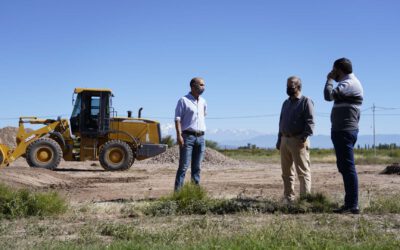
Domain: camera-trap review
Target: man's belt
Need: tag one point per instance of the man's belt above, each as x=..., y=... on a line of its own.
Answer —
x=195, y=133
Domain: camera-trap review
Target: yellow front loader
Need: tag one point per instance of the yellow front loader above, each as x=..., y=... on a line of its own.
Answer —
x=93, y=132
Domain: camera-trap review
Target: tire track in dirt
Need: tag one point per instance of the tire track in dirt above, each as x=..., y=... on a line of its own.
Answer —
x=36, y=178
x=83, y=182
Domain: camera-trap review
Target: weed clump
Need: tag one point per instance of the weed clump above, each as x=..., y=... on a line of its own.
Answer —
x=119, y=231
x=24, y=203
x=384, y=204
x=193, y=199
x=190, y=199
x=315, y=203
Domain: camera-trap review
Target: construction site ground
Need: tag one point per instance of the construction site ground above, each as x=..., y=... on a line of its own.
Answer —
x=83, y=182
x=103, y=203
x=222, y=177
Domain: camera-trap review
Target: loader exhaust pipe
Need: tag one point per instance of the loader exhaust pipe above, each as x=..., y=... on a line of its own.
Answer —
x=129, y=114
x=140, y=112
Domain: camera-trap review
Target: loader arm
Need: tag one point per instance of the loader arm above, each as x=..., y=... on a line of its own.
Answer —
x=25, y=139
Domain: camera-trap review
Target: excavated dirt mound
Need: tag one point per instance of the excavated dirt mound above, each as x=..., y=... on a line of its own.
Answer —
x=8, y=135
x=211, y=157
x=392, y=169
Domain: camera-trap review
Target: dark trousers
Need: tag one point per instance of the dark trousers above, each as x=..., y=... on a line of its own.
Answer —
x=344, y=141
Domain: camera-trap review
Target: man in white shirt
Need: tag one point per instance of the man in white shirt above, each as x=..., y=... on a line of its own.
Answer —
x=190, y=127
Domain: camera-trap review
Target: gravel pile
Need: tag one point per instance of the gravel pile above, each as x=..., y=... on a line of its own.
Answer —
x=212, y=157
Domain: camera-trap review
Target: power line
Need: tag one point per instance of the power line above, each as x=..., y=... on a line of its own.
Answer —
x=242, y=117
x=363, y=110
x=223, y=117
x=385, y=108
x=318, y=114
x=38, y=116
x=381, y=114
x=322, y=115
x=378, y=108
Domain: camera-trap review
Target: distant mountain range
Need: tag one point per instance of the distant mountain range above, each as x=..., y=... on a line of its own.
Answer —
x=232, y=138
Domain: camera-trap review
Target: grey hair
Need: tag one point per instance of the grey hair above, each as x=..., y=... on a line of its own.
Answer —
x=295, y=79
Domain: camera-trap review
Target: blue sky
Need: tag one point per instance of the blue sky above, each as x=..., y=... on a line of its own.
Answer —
x=147, y=51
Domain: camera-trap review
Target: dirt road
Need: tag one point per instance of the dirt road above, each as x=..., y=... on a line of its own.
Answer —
x=82, y=182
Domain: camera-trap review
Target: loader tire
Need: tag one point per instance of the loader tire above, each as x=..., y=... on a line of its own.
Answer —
x=116, y=155
x=44, y=153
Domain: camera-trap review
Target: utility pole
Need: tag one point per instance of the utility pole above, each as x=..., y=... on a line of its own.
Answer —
x=373, y=126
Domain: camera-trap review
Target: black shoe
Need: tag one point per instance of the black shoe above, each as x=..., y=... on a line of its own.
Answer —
x=346, y=210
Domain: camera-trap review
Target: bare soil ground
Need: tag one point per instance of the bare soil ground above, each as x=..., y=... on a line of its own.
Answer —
x=221, y=176
x=83, y=182
x=97, y=198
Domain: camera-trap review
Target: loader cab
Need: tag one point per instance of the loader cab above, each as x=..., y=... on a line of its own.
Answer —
x=91, y=113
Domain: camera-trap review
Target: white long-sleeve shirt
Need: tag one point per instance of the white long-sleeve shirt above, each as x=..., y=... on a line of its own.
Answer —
x=191, y=113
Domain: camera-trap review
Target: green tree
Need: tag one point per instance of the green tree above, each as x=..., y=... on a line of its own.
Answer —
x=212, y=144
x=168, y=140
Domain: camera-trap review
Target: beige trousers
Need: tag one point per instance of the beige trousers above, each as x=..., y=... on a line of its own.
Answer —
x=292, y=152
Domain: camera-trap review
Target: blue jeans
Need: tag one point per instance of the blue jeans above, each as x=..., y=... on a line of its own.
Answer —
x=344, y=141
x=192, y=153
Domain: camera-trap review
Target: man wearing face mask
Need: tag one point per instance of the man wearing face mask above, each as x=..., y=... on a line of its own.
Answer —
x=345, y=115
x=296, y=125
x=190, y=126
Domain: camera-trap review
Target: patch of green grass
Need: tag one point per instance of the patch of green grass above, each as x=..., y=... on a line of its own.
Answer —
x=311, y=203
x=190, y=199
x=281, y=233
x=88, y=235
x=189, y=192
x=256, y=155
x=25, y=203
x=293, y=235
x=193, y=199
x=120, y=231
x=384, y=204
x=362, y=156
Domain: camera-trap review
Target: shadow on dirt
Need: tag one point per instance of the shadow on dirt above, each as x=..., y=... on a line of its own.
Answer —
x=78, y=170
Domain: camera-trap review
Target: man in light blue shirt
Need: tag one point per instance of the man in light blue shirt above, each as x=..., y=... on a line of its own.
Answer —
x=190, y=127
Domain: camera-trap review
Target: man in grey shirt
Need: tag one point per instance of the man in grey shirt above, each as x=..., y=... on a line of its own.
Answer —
x=347, y=97
x=296, y=125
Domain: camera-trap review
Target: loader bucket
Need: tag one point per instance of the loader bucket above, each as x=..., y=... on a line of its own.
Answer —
x=3, y=154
